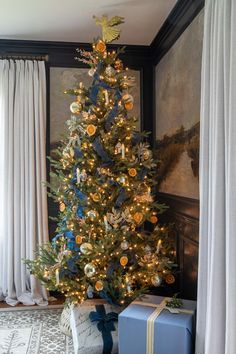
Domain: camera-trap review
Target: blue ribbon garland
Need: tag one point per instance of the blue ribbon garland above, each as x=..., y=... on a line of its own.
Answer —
x=136, y=138
x=142, y=173
x=111, y=116
x=121, y=198
x=105, y=326
x=98, y=148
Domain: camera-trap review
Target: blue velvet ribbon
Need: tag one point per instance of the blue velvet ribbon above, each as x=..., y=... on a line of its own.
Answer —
x=111, y=116
x=80, y=211
x=105, y=326
x=70, y=238
x=97, y=84
x=136, y=138
x=142, y=173
x=121, y=198
x=97, y=146
x=78, y=152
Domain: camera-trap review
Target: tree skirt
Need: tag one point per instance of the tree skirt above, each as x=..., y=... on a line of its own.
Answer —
x=34, y=332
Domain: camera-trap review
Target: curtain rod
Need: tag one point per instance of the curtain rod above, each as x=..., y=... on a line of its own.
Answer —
x=24, y=57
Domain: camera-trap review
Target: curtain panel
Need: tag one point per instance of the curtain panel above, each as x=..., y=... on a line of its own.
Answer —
x=23, y=203
x=216, y=324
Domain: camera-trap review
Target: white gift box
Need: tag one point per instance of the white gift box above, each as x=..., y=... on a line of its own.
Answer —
x=87, y=338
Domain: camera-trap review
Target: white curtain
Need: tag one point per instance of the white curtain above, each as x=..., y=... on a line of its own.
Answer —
x=23, y=201
x=216, y=324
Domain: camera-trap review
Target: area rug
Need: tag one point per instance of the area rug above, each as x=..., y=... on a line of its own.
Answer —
x=33, y=332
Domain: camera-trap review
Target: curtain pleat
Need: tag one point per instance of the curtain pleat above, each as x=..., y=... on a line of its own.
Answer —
x=23, y=209
x=216, y=323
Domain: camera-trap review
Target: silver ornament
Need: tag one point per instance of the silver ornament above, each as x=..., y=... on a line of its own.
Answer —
x=110, y=71
x=122, y=179
x=86, y=248
x=89, y=270
x=147, y=249
x=83, y=176
x=91, y=72
x=124, y=245
x=92, y=214
x=156, y=280
x=76, y=107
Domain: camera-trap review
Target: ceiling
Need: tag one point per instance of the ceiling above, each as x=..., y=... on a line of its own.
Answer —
x=71, y=20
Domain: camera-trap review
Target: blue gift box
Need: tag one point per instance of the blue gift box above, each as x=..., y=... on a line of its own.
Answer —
x=168, y=332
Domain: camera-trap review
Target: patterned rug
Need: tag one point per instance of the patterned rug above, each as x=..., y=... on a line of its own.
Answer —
x=33, y=332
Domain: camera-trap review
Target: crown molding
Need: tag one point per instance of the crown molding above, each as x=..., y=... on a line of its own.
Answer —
x=178, y=20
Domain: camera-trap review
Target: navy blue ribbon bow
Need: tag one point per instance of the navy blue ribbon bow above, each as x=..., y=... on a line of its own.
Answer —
x=105, y=326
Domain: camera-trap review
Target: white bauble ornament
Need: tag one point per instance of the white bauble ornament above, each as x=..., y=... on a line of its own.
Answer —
x=86, y=248
x=89, y=270
x=110, y=71
x=124, y=245
x=91, y=72
x=156, y=280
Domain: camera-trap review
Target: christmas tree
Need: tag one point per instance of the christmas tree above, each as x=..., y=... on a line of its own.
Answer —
x=108, y=241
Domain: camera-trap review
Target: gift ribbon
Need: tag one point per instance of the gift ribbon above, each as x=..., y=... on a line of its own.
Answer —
x=105, y=326
x=152, y=318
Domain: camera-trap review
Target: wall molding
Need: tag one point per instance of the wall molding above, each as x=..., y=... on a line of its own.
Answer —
x=183, y=214
x=64, y=53
x=178, y=20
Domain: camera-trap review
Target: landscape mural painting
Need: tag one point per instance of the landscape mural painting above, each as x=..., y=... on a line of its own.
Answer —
x=178, y=92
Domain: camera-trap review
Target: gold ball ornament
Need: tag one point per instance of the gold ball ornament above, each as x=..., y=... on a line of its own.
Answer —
x=156, y=280
x=146, y=154
x=76, y=107
x=95, y=197
x=154, y=219
x=170, y=279
x=91, y=129
x=86, y=248
x=62, y=207
x=124, y=260
x=132, y=172
x=118, y=64
x=99, y=285
x=138, y=217
x=89, y=270
x=79, y=239
x=100, y=46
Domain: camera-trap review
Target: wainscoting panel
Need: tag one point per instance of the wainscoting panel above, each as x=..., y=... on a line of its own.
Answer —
x=183, y=213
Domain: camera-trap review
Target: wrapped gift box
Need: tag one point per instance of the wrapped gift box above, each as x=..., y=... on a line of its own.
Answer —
x=94, y=330
x=147, y=327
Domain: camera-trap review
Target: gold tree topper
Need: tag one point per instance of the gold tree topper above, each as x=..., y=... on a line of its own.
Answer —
x=109, y=30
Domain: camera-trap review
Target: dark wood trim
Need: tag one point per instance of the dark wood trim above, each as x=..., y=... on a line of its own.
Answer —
x=183, y=214
x=188, y=207
x=64, y=53
x=178, y=20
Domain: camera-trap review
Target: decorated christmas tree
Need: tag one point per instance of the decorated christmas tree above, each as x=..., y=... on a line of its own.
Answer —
x=108, y=241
